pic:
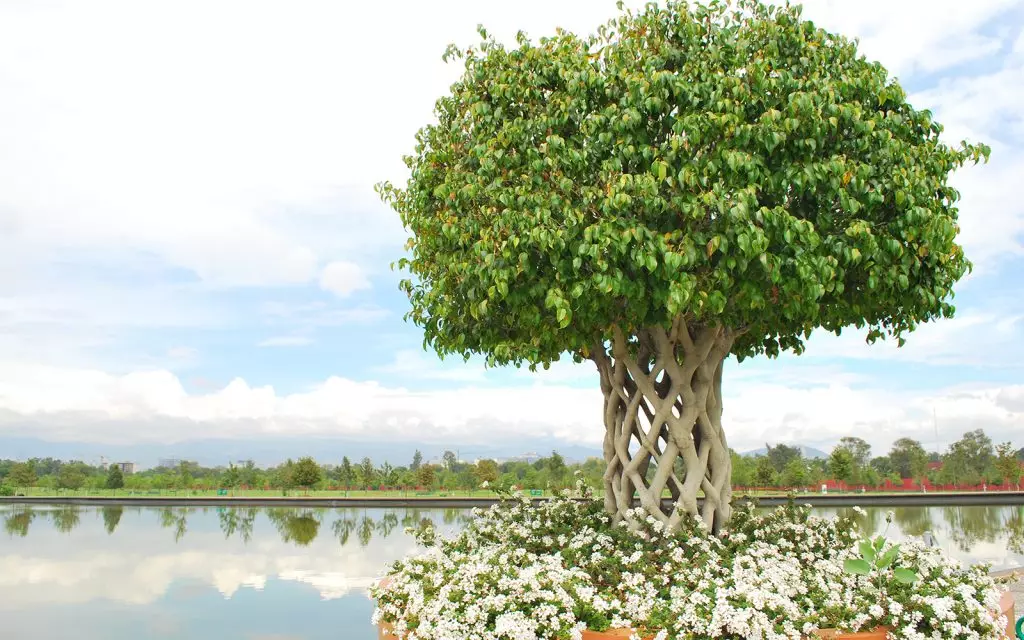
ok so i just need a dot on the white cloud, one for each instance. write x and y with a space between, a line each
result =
915 35
90 405
247 159
990 339
413 363
135 575
182 353
343 278
286 341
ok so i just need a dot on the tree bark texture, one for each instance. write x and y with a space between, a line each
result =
663 422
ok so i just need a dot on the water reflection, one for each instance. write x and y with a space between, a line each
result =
965 527
257 568
300 526
111 518
66 518
16 523
238 520
176 519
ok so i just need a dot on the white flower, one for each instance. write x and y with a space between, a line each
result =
520 572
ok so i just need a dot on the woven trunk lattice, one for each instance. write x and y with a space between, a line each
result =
663 420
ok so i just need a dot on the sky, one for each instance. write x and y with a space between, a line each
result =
191 248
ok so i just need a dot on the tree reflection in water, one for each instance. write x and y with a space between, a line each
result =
240 520
913 521
343 528
17 522
964 527
176 518
112 518
967 526
1015 531
66 518
300 526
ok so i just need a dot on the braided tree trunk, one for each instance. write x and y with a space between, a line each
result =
663 420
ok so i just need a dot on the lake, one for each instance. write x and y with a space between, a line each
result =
115 573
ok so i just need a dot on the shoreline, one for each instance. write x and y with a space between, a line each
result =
1001 498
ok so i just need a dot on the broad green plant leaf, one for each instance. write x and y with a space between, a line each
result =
906 576
857 566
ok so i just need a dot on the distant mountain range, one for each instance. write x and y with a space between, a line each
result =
272 451
808 452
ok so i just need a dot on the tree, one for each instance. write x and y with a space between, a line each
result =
1006 463
115 478
417 460
249 475
645 198
486 471
450 460
743 468
841 464
388 475
70 477
781 455
425 476
22 474
367 472
858 448
346 473
883 466
969 457
795 473
908 458
556 468
232 477
306 473
764 472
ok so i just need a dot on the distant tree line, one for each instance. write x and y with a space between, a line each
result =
972 460
550 472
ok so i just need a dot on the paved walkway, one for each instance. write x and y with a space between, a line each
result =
1017 588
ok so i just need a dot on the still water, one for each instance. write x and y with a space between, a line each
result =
145 573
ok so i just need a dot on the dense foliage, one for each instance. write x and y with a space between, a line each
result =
703 161
519 571
973 460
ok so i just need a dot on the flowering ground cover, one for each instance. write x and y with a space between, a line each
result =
524 572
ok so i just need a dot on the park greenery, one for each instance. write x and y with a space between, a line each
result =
690 183
971 461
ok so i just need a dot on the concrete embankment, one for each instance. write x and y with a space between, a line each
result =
449 502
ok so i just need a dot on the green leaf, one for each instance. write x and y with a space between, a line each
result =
906 576
887 558
867 551
661 169
533 164
857 566
563 317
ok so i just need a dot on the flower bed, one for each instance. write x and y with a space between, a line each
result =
523 572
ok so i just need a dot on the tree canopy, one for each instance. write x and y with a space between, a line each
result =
710 162
306 472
